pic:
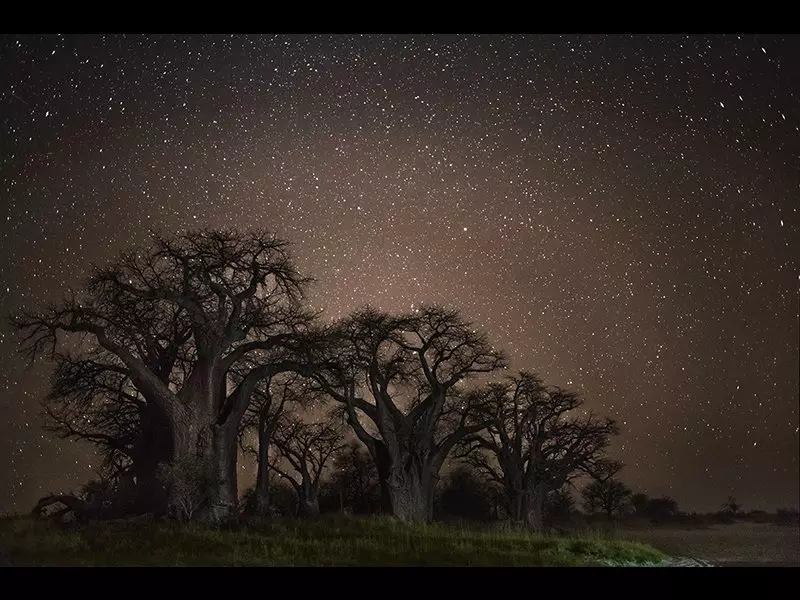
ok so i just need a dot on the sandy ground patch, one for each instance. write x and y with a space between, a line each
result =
738 544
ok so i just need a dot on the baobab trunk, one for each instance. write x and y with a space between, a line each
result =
517 504
207 451
192 487
411 491
517 496
386 496
224 494
534 515
383 465
192 418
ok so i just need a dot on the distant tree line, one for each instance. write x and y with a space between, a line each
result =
180 357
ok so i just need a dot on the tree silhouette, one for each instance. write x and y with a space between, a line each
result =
466 496
270 399
92 398
377 451
533 444
608 495
559 504
731 507
354 480
238 295
662 509
307 448
640 503
401 373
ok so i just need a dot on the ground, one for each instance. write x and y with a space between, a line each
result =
386 542
362 542
736 544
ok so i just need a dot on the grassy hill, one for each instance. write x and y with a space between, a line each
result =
326 542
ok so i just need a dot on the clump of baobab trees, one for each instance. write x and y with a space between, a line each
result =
178 358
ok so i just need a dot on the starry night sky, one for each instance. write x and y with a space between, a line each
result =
620 213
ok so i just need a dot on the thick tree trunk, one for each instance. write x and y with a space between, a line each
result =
517 504
385 507
534 514
383 465
515 494
412 491
307 497
191 488
193 416
224 498
205 451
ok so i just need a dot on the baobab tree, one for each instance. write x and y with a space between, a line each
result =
79 406
240 296
92 398
270 400
401 374
534 443
306 447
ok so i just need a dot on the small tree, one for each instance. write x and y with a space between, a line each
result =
307 448
731 507
662 509
269 401
610 496
559 505
355 480
192 480
640 502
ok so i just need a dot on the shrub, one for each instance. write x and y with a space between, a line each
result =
465 496
191 482
788 516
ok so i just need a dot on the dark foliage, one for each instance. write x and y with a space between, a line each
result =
609 496
658 510
559 506
353 486
466 496
731 506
